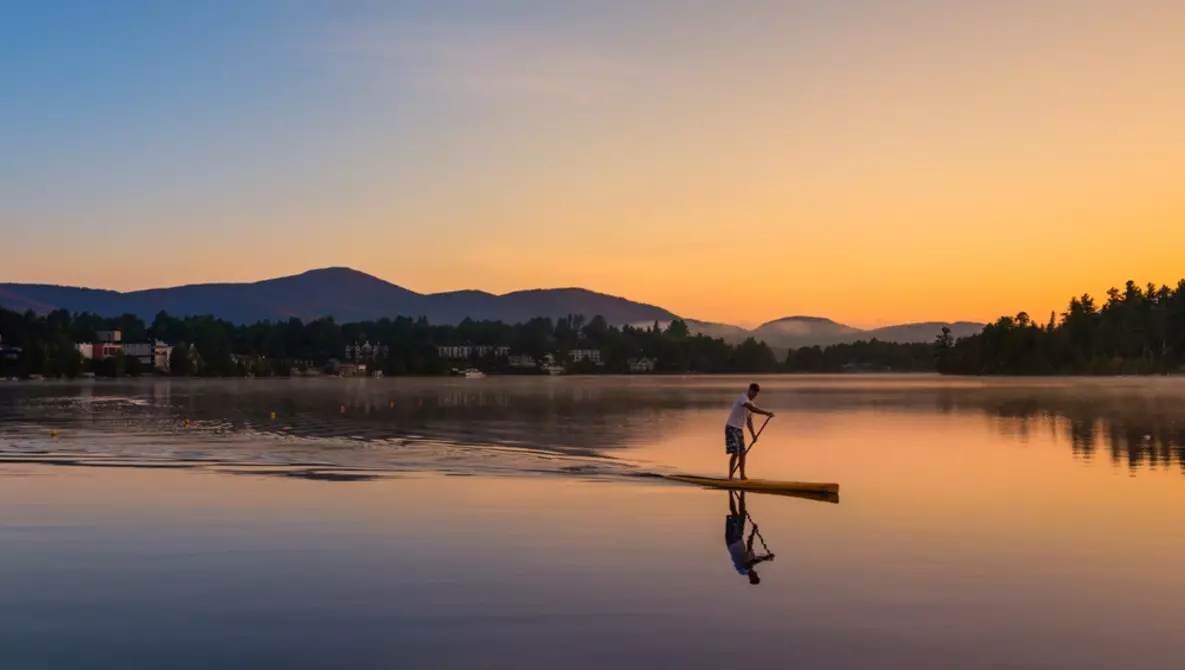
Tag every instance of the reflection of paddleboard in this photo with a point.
(760, 485)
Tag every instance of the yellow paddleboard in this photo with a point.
(759, 485)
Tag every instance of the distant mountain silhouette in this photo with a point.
(793, 332)
(345, 294)
(350, 295)
(804, 331)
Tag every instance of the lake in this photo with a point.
(515, 523)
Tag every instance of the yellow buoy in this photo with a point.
(392, 404)
(53, 433)
(187, 422)
(273, 416)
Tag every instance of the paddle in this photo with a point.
(759, 430)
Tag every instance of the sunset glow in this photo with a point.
(869, 162)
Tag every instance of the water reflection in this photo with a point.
(1136, 427)
(744, 559)
(1137, 423)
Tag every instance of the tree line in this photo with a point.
(206, 346)
(1136, 331)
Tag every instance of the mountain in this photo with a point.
(793, 332)
(349, 295)
(804, 331)
(345, 294)
(799, 331)
(924, 332)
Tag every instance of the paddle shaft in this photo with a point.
(759, 431)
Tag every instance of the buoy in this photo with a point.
(187, 422)
(392, 404)
(273, 416)
(343, 409)
(53, 433)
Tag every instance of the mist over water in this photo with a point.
(401, 423)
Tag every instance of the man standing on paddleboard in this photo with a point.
(743, 557)
(741, 415)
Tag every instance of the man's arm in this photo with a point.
(757, 410)
(749, 420)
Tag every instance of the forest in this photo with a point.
(1136, 331)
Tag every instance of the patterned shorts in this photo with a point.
(734, 440)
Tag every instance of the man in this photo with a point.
(743, 557)
(742, 413)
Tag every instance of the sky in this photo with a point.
(872, 162)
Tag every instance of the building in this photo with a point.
(523, 362)
(108, 335)
(463, 352)
(642, 365)
(583, 355)
(98, 350)
(153, 355)
(366, 351)
(452, 352)
(107, 349)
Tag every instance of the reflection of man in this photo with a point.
(743, 557)
(739, 416)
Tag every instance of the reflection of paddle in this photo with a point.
(758, 534)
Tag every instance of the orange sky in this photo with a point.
(866, 162)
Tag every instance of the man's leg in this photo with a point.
(741, 462)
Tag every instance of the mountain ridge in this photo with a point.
(351, 295)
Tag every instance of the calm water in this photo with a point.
(508, 523)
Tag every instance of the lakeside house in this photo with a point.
(153, 355)
(366, 351)
(462, 352)
(642, 365)
(107, 344)
(586, 355)
(523, 362)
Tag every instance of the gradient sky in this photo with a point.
(868, 161)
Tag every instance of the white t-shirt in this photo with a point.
(739, 413)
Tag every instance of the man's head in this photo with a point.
(753, 578)
(754, 389)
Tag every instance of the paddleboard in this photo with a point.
(760, 485)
